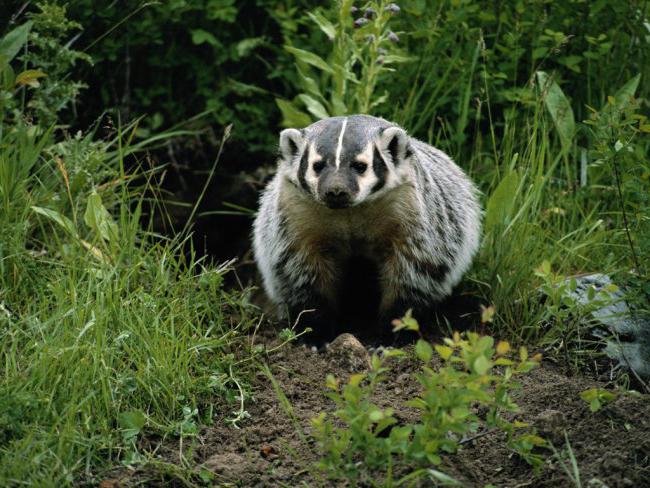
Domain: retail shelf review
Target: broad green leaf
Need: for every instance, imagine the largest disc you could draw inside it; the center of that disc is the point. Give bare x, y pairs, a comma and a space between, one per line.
407, 322
423, 350
501, 202
310, 58
291, 116
7, 76
396, 58
314, 106
14, 41
523, 354
200, 36
331, 382
29, 77
245, 46
503, 347
444, 351
133, 419
131, 423
60, 219
356, 379
482, 365
622, 98
597, 397
324, 24
484, 343
98, 218
309, 84
559, 107
376, 415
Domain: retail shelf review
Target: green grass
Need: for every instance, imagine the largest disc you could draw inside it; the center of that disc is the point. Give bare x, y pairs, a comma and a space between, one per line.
109, 332
104, 327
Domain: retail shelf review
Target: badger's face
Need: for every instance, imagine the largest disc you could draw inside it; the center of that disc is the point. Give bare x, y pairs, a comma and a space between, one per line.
343, 161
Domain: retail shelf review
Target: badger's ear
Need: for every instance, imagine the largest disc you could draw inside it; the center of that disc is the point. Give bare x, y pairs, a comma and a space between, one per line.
395, 141
290, 144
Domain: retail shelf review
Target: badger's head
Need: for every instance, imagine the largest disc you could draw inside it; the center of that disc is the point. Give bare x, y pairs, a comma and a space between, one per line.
343, 161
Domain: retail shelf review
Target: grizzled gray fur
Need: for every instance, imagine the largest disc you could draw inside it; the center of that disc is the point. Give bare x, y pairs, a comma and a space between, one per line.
358, 189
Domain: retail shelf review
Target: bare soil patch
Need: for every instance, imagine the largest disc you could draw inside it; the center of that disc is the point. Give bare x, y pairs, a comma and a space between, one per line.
273, 447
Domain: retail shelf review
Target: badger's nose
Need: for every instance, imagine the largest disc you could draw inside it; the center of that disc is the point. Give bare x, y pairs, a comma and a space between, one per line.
337, 197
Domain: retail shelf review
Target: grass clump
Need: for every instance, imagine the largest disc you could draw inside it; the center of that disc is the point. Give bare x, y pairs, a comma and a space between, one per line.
363, 443
108, 332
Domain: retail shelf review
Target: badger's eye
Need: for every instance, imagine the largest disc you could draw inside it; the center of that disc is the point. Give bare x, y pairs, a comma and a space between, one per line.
319, 166
359, 167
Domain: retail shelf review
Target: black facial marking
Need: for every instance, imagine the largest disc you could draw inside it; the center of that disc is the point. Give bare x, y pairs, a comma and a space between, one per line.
293, 147
393, 149
319, 166
302, 170
379, 167
359, 167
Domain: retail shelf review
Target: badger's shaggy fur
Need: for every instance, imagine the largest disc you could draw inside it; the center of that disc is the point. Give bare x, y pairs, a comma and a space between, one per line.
358, 189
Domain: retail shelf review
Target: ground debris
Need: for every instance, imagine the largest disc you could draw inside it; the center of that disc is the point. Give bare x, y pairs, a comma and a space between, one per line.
349, 353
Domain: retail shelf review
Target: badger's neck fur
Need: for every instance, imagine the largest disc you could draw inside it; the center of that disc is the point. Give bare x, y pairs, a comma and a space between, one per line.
369, 228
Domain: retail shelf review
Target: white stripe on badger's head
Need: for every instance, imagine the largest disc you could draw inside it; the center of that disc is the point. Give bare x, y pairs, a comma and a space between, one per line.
339, 145
343, 161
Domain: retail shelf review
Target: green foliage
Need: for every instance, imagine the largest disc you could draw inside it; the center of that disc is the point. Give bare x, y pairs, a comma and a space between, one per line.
110, 333
559, 107
51, 59
100, 319
597, 397
442, 94
107, 331
362, 443
567, 319
172, 60
344, 80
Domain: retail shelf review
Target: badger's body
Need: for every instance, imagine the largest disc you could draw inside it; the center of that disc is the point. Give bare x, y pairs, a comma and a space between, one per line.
357, 189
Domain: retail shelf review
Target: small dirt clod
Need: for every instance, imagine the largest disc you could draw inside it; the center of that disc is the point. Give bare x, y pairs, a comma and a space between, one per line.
551, 425
349, 353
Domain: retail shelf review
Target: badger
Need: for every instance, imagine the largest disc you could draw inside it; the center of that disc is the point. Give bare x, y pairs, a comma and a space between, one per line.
361, 216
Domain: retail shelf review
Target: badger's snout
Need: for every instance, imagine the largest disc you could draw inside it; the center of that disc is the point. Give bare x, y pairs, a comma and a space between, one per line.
335, 191
338, 198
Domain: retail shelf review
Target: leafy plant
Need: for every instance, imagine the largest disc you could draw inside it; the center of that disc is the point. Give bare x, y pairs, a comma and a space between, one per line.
51, 58
567, 316
597, 397
112, 330
362, 52
363, 443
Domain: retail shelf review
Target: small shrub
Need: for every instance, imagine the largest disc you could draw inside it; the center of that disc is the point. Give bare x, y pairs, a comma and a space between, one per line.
597, 397
51, 56
364, 443
363, 51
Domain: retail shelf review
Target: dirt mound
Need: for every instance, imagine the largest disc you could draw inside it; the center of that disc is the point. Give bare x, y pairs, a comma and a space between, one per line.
611, 446
273, 447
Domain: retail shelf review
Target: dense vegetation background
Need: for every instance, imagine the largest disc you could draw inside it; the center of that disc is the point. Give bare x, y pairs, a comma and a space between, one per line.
113, 317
